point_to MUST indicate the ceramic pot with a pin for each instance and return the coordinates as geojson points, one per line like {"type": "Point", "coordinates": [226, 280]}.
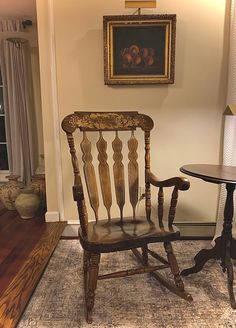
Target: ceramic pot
{"type": "Point", "coordinates": [1, 185]}
{"type": "Point", "coordinates": [38, 183]}
{"type": "Point", "coordinates": [27, 203]}
{"type": "Point", "coordinates": [10, 191]}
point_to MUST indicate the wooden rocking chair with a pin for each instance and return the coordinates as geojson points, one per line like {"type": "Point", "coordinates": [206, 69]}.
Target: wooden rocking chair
{"type": "Point", "coordinates": [123, 233]}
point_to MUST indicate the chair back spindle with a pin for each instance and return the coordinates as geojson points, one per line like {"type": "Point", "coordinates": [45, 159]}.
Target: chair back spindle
{"type": "Point", "coordinates": [77, 188]}
{"type": "Point", "coordinates": [89, 174]}
{"type": "Point", "coordinates": [160, 209]}
{"type": "Point", "coordinates": [104, 174]}
{"type": "Point", "coordinates": [118, 171]}
{"type": "Point", "coordinates": [133, 173]}
{"type": "Point", "coordinates": [173, 204]}
{"type": "Point", "coordinates": [147, 169]}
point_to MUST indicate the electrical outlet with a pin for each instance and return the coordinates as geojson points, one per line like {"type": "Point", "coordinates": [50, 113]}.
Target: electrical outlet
{"type": "Point", "coordinates": [141, 193]}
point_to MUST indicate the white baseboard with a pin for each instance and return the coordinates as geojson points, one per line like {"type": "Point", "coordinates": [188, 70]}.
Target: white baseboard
{"type": "Point", "coordinates": [52, 217]}
{"type": "Point", "coordinates": [71, 230]}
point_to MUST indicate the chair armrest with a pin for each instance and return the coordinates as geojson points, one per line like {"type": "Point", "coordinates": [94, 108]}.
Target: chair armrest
{"type": "Point", "coordinates": [180, 183]}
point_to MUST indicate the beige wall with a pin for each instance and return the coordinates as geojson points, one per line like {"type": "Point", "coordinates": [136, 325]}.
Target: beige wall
{"type": "Point", "coordinates": [187, 115]}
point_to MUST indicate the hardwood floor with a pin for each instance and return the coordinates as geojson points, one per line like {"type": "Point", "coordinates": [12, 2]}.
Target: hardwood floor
{"type": "Point", "coordinates": [25, 249]}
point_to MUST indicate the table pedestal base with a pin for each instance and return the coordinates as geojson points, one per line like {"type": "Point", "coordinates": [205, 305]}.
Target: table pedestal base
{"type": "Point", "coordinates": [225, 247]}
{"type": "Point", "coordinates": [218, 252]}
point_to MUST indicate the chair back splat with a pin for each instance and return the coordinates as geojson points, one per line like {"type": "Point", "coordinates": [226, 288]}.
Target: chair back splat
{"type": "Point", "coordinates": [101, 122]}
{"type": "Point", "coordinates": [105, 177]}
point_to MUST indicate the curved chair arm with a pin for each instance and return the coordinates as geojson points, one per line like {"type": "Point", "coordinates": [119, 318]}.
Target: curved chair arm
{"type": "Point", "coordinates": [180, 183]}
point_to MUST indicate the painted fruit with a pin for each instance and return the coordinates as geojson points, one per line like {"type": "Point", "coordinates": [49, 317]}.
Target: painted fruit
{"type": "Point", "coordinates": [133, 50]}
{"type": "Point", "coordinates": [137, 60]}
{"type": "Point", "coordinates": [149, 60]}
{"type": "Point", "coordinates": [127, 59]}
{"type": "Point", "coordinates": [144, 52]}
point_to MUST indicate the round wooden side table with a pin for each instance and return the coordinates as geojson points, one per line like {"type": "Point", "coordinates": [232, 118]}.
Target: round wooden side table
{"type": "Point", "coordinates": [225, 245]}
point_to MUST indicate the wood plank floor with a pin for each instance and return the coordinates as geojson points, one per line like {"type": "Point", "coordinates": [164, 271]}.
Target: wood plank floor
{"type": "Point", "coordinates": [25, 249]}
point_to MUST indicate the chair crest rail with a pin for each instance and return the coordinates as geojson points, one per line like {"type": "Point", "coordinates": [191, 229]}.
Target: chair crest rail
{"type": "Point", "coordinates": [93, 121]}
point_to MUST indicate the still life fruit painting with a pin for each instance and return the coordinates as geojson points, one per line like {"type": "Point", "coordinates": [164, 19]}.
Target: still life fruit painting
{"type": "Point", "coordinates": [139, 49]}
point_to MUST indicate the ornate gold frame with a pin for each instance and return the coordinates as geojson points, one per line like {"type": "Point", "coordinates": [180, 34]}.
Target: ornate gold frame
{"type": "Point", "coordinates": [113, 75]}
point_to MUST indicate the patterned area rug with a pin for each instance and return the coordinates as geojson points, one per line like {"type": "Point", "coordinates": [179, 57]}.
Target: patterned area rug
{"type": "Point", "coordinates": [131, 302]}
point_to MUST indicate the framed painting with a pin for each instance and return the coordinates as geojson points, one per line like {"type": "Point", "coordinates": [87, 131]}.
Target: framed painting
{"type": "Point", "coordinates": [139, 49]}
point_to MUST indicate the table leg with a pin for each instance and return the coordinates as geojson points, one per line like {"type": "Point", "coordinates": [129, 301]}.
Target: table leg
{"type": "Point", "coordinates": [227, 242]}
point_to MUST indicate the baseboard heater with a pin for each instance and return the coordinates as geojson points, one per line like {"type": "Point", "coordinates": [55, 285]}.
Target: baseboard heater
{"type": "Point", "coordinates": [188, 230]}
{"type": "Point", "coordinates": [196, 230]}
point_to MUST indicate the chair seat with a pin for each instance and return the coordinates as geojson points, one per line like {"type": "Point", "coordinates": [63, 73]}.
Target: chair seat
{"type": "Point", "coordinates": [105, 236]}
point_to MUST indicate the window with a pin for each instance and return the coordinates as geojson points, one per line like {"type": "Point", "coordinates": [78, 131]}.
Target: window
{"type": "Point", "coordinates": [3, 144]}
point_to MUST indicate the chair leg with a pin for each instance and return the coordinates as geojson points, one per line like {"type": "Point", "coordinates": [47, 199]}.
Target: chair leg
{"type": "Point", "coordinates": [145, 255]}
{"type": "Point", "coordinates": [93, 268]}
{"type": "Point", "coordinates": [173, 265]}
{"type": "Point", "coordinates": [86, 258]}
